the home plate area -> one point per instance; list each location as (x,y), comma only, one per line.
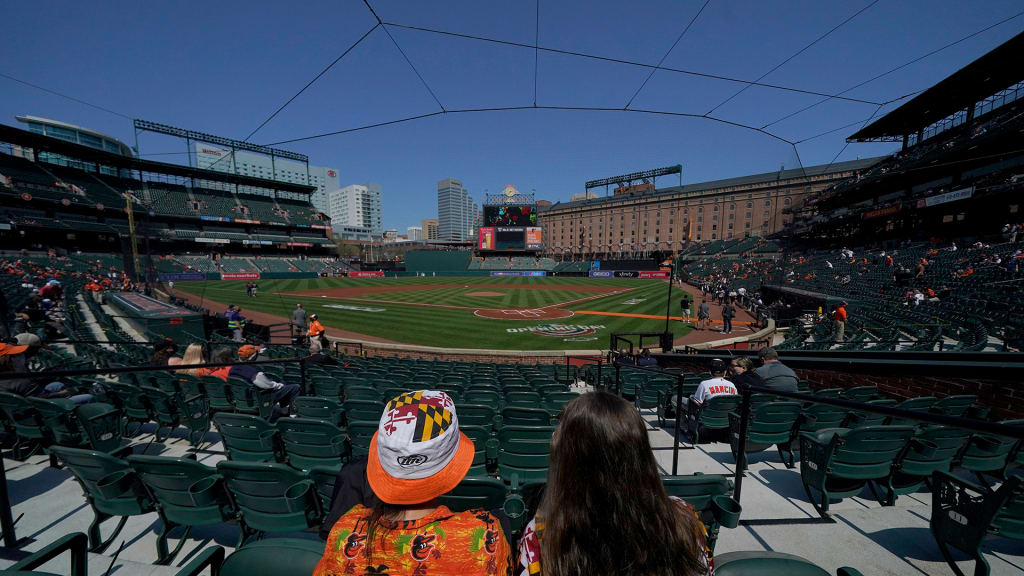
(523,313)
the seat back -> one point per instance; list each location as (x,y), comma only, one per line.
(101,424)
(524,398)
(324,477)
(524,416)
(476,414)
(112,486)
(319,408)
(363,410)
(308,443)
(326,387)
(714,412)
(480,435)
(25,417)
(58,417)
(188,492)
(821,416)
(248,438)
(219,394)
(868,452)
(860,393)
(772,422)
(858,418)
(523,451)
(281,556)
(248,399)
(271,497)
(360,432)
(473,493)
(954,405)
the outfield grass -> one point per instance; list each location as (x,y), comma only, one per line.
(459,328)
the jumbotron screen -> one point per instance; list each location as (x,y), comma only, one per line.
(510,215)
(509,239)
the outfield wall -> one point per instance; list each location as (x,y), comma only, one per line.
(442,262)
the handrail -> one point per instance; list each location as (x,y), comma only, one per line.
(978,426)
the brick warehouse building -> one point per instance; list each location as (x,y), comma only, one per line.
(666,219)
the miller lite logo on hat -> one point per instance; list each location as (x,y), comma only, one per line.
(418,452)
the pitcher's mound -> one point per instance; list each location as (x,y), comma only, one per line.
(485,294)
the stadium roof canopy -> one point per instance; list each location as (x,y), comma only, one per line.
(980,79)
(41,143)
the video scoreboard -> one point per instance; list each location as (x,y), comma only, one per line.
(510,239)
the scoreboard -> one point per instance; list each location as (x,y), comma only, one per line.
(510,239)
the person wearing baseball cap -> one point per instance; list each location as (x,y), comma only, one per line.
(717,385)
(283,393)
(416,455)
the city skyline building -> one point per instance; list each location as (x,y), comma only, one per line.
(357,206)
(429,226)
(456,211)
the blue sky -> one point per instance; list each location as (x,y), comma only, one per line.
(222,67)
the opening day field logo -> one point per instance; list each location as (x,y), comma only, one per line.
(558,330)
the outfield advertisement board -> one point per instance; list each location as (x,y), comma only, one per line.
(486,238)
(239,275)
(654,274)
(181,277)
(534,239)
(646,274)
(601,273)
(519,273)
(367,274)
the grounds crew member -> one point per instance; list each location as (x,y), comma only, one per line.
(236,322)
(684,307)
(316,330)
(839,322)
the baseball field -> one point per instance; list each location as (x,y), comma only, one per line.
(463,312)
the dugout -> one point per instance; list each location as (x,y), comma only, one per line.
(155,319)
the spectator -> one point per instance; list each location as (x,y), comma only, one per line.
(717,385)
(236,322)
(684,307)
(220,356)
(728,313)
(605,509)
(704,315)
(14,359)
(283,393)
(162,352)
(193,355)
(741,373)
(416,455)
(775,374)
(839,322)
(317,356)
(645,359)
(299,320)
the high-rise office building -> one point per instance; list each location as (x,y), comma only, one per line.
(456,211)
(357,206)
(429,226)
(210,157)
(414,233)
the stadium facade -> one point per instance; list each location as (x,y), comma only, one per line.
(357,206)
(220,159)
(75,134)
(669,218)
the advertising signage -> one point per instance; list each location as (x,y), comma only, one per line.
(485,241)
(534,239)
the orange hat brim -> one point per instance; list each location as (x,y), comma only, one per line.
(405,491)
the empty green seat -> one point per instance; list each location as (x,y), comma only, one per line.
(523,452)
(476,414)
(270,497)
(248,438)
(319,408)
(75,543)
(112,489)
(363,410)
(277,556)
(860,393)
(771,423)
(954,405)
(324,478)
(473,493)
(308,443)
(711,497)
(187,494)
(480,435)
(771,564)
(360,432)
(989,454)
(932,448)
(524,416)
(857,418)
(839,462)
(219,394)
(101,424)
(27,424)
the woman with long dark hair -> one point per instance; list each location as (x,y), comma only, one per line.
(605,510)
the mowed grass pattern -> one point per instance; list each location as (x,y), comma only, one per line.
(458,328)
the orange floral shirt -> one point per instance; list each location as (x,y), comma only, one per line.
(443,542)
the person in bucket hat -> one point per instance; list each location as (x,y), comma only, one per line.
(417,454)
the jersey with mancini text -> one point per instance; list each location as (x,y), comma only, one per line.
(713,387)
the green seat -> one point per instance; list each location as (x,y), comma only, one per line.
(964,514)
(932,448)
(839,462)
(954,405)
(218,393)
(484,396)
(360,432)
(858,418)
(26,422)
(362,410)
(187,493)
(324,477)
(770,423)
(473,493)
(270,497)
(711,497)
(112,489)
(476,414)
(248,438)
(248,399)
(524,416)
(522,398)
(60,425)
(326,387)
(277,556)
(101,424)
(75,543)
(919,404)
(132,403)
(480,435)
(860,393)
(771,564)
(319,408)
(555,402)
(523,452)
(308,443)
(713,414)
(163,409)
(989,454)
(365,393)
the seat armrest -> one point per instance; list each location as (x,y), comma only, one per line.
(75,543)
